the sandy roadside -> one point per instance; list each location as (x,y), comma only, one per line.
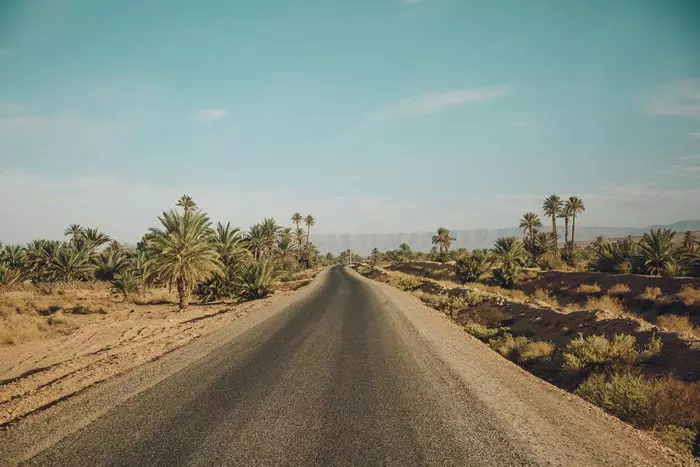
(39,374)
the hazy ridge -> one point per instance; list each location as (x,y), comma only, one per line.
(470,238)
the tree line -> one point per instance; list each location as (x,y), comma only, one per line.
(186,253)
(656,253)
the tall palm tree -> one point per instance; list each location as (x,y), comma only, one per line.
(309,221)
(529,223)
(374,258)
(297,218)
(299,234)
(74,230)
(443,240)
(186,251)
(405,252)
(566,213)
(91,238)
(689,241)
(552,207)
(186,203)
(576,205)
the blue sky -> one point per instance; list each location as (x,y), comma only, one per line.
(373,115)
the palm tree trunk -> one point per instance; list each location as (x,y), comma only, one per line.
(573,229)
(182,294)
(554,233)
(308,231)
(566,234)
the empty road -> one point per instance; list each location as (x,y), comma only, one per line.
(354,373)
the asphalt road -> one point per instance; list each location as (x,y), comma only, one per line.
(340,378)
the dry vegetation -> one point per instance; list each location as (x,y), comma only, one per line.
(594,346)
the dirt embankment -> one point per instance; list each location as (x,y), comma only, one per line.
(63,339)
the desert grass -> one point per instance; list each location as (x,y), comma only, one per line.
(689,295)
(605,303)
(651,293)
(588,288)
(619,289)
(679,324)
(544,296)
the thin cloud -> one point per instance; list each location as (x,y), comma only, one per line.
(678,99)
(427,104)
(209,115)
(6,53)
(695,135)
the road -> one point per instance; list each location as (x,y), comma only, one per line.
(348,376)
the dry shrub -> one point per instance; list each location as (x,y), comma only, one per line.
(406,283)
(550,261)
(19,324)
(680,324)
(543,295)
(482,332)
(669,406)
(678,438)
(509,293)
(651,293)
(588,288)
(620,353)
(689,295)
(619,289)
(605,303)
(521,349)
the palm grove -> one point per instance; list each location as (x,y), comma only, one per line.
(658,252)
(186,253)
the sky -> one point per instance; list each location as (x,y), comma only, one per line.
(372,115)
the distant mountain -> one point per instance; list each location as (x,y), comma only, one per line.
(470,239)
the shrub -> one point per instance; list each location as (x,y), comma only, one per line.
(550,261)
(220,286)
(605,303)
(623,395)
(679,324)
(544,296)
(125,283)
(446,303)
(9,275)
(408,283)
(592,352)
(507,275)
(588,288)
(473,266)
(255,280)
(482,332)
(678,438)
(520,348)
(689,295)
(619,289)
(650,293)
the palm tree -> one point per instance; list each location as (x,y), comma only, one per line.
(443,240)
(262,238)
(297,218)
(405,252)
(374,258)
(186,203)
(576,206)
(510,251)
(186,251)
(658,252)
(689,241)
(70,264)
(598,243)
(309,221)
(552,208)
(230,244)
(565,214)
(529,223)
(299,234)
(74,230)
(91,238)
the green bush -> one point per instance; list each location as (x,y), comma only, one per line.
(482,332)
(507,275)
(127,282)
(255,280)
(624,395)
(473,266)
(521,349)
(219,286)
(588,353)
(408,283)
